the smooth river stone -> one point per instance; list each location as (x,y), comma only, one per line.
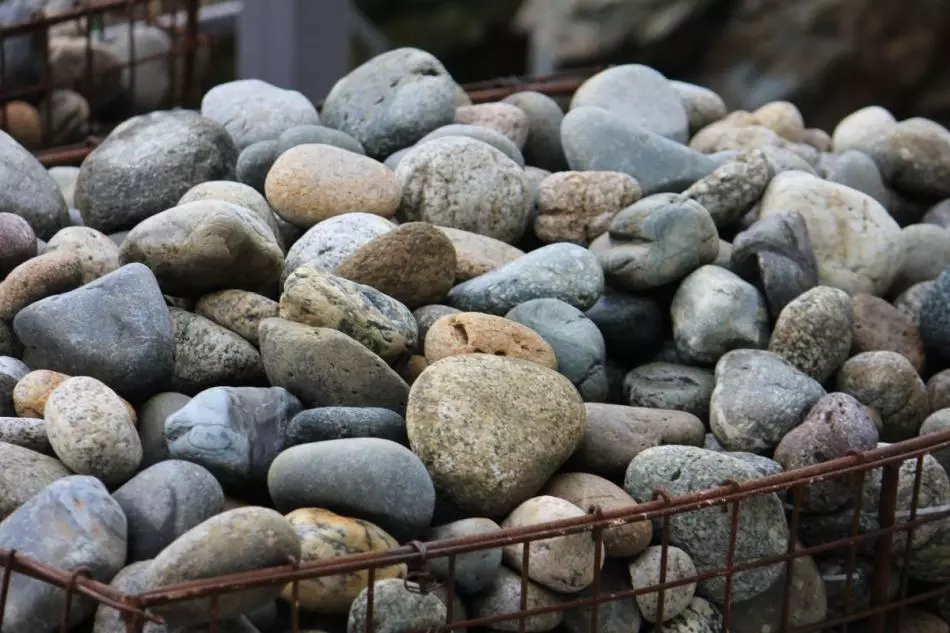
(24,474)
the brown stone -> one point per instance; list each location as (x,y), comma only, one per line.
(478,254)
(34,279)
(31,393)
(23,123)
(504,118)
(477,333)
(414,264)
(578,206)
(879,326)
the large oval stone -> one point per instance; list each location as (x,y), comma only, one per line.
(459,423)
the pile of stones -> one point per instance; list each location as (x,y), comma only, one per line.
(256,332)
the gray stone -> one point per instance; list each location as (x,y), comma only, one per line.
(597,140)
(116,329)
(254,162)
(337,423)
(208,355)
(204,246)
(504,597)
(466,184)
(324,367)
(26,432)
(367,478)
(702,105)
(20,51)
(639,95)
(662,385)
(267,539)
(30,192)
(393,160)
(759,397)
(474,571)
(937,422)
(926,251)
(656,241)
(938,214)
(396,609)
(578,344)
(913,156)
(632,325)
(934,319)
(252,110)
(847,592)
(392,101)
(427,315)
(715,311)
(562,271)
(328,243)
(130,579)
(858,171)
(147,163)
(645,571)
(319,134)
(705,534)
(163,502)
(813,332)
(731,190)
(543,147)
(24,474)
(152,81)
(17,242)
(11,371)
(480,133)
(236,193)
(234,432)
(776,255)
(72,523)
(836,425)
(151,425)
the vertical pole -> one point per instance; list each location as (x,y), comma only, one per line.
(298,44)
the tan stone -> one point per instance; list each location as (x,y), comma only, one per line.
(310,183)
(477,333)
(98,255)
(324,535)
(237,310)
(23,122)
(879,326)
(48,274)
(585,491)
(478,254)
(783,118)
(578,206)
(32,391)
(504,118)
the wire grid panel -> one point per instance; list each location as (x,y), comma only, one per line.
(876,557)
(67,76)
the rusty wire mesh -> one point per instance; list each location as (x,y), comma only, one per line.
(85,21)
(886,542)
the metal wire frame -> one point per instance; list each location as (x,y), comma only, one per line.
(186,40)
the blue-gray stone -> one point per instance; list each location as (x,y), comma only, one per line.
(934,319)
(480,133)
(392,101)
(71,523)
(29,191)
(577,343)
(562,271)
(543,146)
(11,371)
(474,571)
(252,110)
(147,164)
(632,325)
(151,425)
(337,423)
(116,329)
(368,478)
(23,53)
(858,171)
(597,140)
(254,162)
(234,432)
(319,134)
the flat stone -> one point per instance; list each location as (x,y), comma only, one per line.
(477,333)
(234,432)
(478,254)
(310,183)
(337,423)
(31,192)
(204,246)
(715,311)
(879,326)
(567,272)
(237,310)
(70,524)
(163,502)
(542,148)
(147,163)
(504,597)
(152,417)
(367,478)
(814,331)
(25,473)
(317,135)
(252,110)
(396,608)
(474,571)
(645,572)
(327,244)
(759,397)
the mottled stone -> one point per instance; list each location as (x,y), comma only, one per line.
(715,311)
(645,572)
(324,367)
(934,319)
(234,432)
(567,272)
(911,301)
(729,191)
(208,355)
(477,333)
(396,608)
(458,420)
(835,426)
(25,473)
(414,264)
(879,326)
(478,254)
(385,326)
(474,571)
(577,207)
(479,133)
(814,331)
(887,382)
(504,597)
(542,148)
(324,535)
(97,254)
(632,325)
(656,241)
(237,310)
(28,433)
(163,502)
(48,274)
(503,118)
(90,428)
(369,478)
